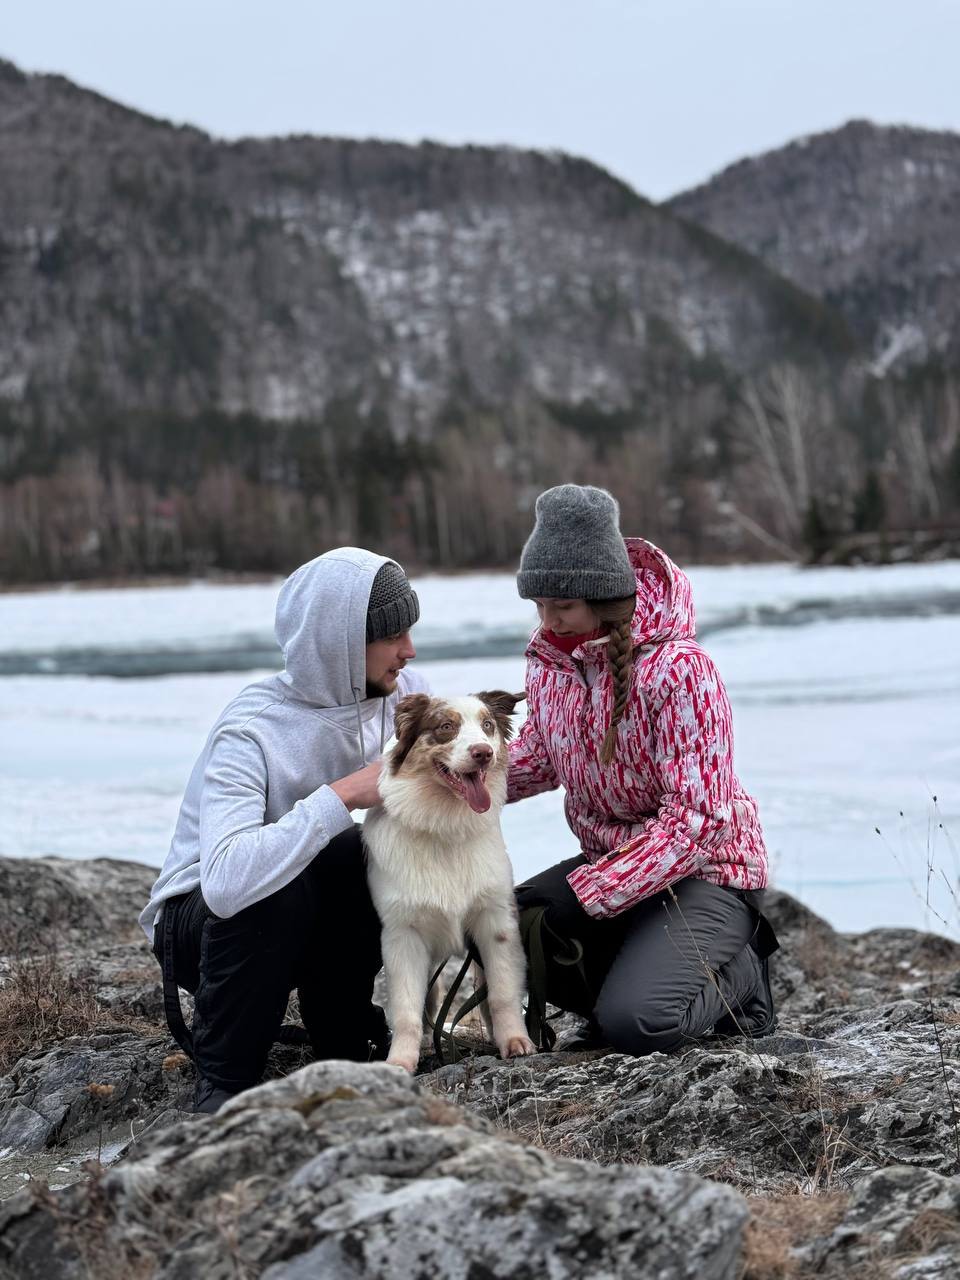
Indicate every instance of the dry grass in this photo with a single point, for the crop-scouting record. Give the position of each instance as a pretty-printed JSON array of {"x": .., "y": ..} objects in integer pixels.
[
  {"x": 780, "y": 1224},
  {"x": 43, "y": 1000},
  {"x": 930, "y": 1230},
  {"x": 145, "y": 972},
  {"x": 41, "y": 1004}
]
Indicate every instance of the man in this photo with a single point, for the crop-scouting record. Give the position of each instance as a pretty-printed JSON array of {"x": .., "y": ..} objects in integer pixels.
[{"x": 264, "y": 888}]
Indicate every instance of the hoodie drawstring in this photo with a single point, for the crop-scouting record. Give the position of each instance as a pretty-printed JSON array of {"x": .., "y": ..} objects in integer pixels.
[
  {"x": 383, "y": 726},
  {"x": 356, "y": 703}
]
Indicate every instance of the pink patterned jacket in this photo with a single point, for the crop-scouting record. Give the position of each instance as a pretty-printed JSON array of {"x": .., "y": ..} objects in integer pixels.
[{"x": 670, "y": 805}]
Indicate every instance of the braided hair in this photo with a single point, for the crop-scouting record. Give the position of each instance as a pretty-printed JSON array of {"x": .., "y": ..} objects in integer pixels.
[{"x": 619, "y": 613}]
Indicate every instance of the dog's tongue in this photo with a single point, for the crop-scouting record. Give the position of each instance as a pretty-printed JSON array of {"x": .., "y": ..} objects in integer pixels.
[{"x": 478, "y": 797}]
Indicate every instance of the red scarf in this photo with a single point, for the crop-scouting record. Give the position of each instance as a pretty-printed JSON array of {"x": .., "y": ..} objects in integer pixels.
[{"x": 567, "y": 644}]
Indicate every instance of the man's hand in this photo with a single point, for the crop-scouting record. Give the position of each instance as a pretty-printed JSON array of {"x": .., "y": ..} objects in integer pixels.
[{"x": 359, "y": 790}]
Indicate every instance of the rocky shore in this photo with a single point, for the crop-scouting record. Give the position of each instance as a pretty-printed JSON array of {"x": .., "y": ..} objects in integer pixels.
[{"x": 831, "y": 1148}]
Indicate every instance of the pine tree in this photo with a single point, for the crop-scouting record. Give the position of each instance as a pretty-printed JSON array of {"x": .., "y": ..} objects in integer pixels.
[
  {"x": 817, "y": 537},
  {"x": 870, "y": 506}
]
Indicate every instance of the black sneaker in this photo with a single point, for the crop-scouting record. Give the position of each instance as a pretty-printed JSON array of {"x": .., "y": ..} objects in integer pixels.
[
  {"x": 581, "y": 1038},
  {"x": 765, "y": 1023},
  {"x": 757, "y": 1016},
  {"x": 208, "y": 1097}
]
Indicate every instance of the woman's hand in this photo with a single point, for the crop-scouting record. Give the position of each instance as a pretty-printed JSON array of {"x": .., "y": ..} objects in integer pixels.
[{"x": 359, "y": 790}]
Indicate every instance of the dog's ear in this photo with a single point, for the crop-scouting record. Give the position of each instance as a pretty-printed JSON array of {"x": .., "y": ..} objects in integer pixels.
[
  {"x": 502, "y": 705},
  {"x": 406, "y": 725}
]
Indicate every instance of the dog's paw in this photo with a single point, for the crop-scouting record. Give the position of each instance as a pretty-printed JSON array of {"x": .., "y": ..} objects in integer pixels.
[
  {"x": 517, "y": 1047},
  {"x": 407, "y": 1062}
]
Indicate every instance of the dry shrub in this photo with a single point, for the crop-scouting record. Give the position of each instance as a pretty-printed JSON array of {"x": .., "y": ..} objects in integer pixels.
[
  {"x": 145, "y": 972},
  {"x": 778, "y": 1224},
  {"x": 930, "y": 1229},
  {"x": 42, "y": 1003},
  {"x": 436, "y": 1111},
  {"x": 766, "y": 1252}
]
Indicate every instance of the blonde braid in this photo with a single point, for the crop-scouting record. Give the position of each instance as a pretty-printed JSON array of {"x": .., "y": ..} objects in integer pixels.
[{"x": 620, "y": 659}]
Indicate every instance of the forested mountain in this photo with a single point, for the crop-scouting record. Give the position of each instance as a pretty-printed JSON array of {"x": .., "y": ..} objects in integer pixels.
[
  {"x": 865, "y": 217},
  {"x": 234, "y": 354}
]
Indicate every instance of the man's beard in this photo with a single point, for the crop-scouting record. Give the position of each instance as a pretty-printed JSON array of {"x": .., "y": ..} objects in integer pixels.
[{"x": 375, "y": 690}]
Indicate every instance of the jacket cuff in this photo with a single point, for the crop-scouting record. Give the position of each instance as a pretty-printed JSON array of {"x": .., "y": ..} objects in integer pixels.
[
  {"x": 330, "y": 813},
  {"x": 584, "y": 883}
]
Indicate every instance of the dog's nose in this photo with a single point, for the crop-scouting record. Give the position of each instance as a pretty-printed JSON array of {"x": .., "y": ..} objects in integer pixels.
[{"x": 483, "y": 755}]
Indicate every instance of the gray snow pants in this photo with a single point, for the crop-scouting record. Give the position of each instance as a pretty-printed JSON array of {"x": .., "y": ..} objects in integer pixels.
[{"x": 667, "y": 971}]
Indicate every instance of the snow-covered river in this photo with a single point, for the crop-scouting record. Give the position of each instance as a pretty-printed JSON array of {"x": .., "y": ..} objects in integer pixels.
[{"x": 845, "y": 685}]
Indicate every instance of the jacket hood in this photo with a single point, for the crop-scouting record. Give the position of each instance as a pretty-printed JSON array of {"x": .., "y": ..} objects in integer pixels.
[
  {"x": 664, "y": 599},
  {"x": 321, "y": 626},
  {"x": 664, "y": 609}
]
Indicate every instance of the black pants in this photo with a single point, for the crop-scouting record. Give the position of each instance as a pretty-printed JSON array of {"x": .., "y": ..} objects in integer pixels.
[
  {"x": 667, "y": 970},
  {"x": 320, "y": 935}
]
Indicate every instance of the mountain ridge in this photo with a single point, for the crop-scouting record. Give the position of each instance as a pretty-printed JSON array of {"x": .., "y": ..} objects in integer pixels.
[
  {"x": 637, "y": 261},
  {"x": 224, "y": 353},
  {"x": 866, "y": 217}
]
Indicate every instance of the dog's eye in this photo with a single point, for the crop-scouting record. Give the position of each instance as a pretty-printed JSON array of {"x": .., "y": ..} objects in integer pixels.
[
  {"x": 488, "y": 726},
  {"x": 446, "y": 726}
]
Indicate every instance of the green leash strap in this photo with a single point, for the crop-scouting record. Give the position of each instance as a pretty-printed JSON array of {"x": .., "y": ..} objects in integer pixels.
[
  {"x": 478, "y": 997},
  {"x": 531, "y": 935},
  {"x": 445, "y": 1042},
  {"x": 533, "y": 928}
]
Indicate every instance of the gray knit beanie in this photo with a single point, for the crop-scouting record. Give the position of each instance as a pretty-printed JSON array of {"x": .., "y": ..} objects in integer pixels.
[
  {"x": 576, "y": 551},
  {"x": 393, "y": 606}
]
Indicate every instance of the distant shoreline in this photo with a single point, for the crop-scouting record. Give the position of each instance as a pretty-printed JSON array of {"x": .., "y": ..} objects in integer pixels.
[
  {"x": 137, "y": 582},
  {"x": 239, "y": 578},
  {"x": 862, "y": 550}
]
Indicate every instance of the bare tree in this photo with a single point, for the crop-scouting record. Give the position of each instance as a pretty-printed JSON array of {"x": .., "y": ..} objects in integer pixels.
[
  {"x": 794, "y": 455},
  {"x": 916, "y": 467}
]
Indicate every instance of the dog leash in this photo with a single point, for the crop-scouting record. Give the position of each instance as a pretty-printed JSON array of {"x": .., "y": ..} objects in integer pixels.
[
  {"x": 445, "y": 1043},
  {"x": 533, "y": 928}
]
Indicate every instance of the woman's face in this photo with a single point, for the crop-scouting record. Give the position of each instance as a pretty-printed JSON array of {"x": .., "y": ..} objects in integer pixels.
[{"x": 566, "y": 617}]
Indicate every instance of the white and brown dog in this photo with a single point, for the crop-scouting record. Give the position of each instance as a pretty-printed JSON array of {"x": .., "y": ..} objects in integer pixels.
[{"x": 437, "y": 864}]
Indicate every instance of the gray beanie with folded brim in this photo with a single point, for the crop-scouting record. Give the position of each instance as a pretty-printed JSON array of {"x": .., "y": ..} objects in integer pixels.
[{"x": 576, "y": 551}]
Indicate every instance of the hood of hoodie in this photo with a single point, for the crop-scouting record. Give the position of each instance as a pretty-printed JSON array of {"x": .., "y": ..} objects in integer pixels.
[
  {"x": 321, "y": 626},
  {"x": 664, "y": 609}
]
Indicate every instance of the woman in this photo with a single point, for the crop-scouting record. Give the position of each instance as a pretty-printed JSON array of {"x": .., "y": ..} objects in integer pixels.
[{"x": 628, "y": 714}]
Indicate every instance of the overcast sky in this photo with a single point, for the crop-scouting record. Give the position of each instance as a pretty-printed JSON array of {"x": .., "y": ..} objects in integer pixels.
[{"x": 663, "y": 94}]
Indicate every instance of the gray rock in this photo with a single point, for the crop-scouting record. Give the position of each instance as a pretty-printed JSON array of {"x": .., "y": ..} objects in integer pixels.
[
  {"x": 58, "y": 902},
  {"x": 122, "y": 978},
  {"x": 905, "y": 1220},
  {"x": 859, "y": 1078},
  {"x": 343, "y": 1170},
  {"x": 48, "y": 1099},
  {"x": 818, "y": 968},
  {"x": 746, "y": 1114},
  {"x": 836, "y": 1094}
]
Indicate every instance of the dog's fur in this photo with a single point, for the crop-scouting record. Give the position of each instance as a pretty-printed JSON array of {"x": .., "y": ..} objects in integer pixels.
[{"x": 437, "y": 865}]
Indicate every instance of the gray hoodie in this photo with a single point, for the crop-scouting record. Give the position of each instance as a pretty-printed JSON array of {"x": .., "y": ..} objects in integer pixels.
[{"x": 258, "y": 807}]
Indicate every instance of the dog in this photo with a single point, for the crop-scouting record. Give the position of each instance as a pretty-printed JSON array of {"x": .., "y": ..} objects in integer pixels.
[{"x": 437, "y": 865}]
